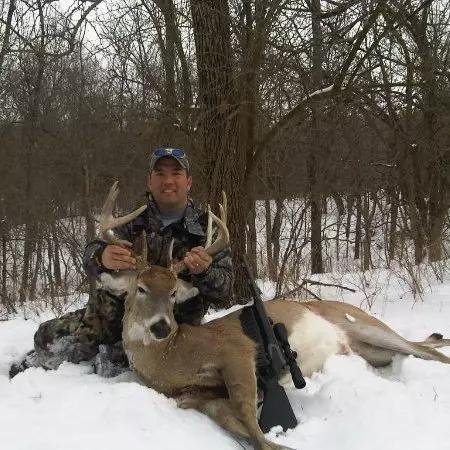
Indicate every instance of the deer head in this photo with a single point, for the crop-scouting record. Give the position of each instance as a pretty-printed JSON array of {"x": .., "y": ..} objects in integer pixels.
[{"x": 151, "y": 291}]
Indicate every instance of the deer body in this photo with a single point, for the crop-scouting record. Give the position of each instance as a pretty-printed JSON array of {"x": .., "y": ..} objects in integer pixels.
[
  {"x": 212, "y": 367},
  {"x": 316, "y": 330},
  {"x": 194, "y": 361}
]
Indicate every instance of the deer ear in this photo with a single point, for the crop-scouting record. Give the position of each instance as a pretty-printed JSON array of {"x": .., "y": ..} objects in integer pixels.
[
  {"x": 118, "y": 283},
  {"x": 185, "y": 291}
]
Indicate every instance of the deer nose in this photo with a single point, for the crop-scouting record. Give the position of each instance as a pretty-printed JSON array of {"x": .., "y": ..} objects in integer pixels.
[{"x": 160, "y": 329}]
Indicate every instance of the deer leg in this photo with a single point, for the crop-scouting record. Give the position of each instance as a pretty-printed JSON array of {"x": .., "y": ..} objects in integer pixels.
[
  {"x": 379, "y": 349},
  {"x": 435, "y": 340},
  {"x": 240, "y": 381},
  {"x": 219, "y": 410},
  {"x": 429, "y": 353}
]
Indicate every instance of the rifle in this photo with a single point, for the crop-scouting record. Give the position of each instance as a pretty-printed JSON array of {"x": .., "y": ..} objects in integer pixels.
[{"x": 274, "y": 357}]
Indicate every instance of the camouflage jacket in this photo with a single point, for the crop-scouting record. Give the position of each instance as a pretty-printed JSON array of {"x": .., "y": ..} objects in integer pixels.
[{"x": 215, "y": 286}]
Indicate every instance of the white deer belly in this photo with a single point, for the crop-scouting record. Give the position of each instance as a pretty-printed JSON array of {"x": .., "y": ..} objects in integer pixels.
[{"x": 315, "y": 340}]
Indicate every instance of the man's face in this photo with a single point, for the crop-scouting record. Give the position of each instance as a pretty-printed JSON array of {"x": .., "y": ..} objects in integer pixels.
[{"x": 169, "y": 184}]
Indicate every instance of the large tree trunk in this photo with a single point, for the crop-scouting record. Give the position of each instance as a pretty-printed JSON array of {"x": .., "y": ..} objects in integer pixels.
[
  {"x": 313, "y": 160},
  {"x": 438, "y": 184},
  {"x": 228, "y": 115},
  {"x": 216, "y": 91}
]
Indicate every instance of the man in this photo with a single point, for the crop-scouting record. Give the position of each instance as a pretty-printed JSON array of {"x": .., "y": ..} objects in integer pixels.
[{"x": 94, "y": 332}]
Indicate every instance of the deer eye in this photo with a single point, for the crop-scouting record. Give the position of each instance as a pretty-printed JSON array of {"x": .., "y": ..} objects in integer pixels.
[
  {"x": 141, "y": 290},
  {"x": 173, "y": 296}
]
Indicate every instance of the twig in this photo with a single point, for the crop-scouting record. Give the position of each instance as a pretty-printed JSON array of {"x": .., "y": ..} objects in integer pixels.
[
  {"x": 289, "y": 293},
  {"x": 319, "y": 283},
  {"x": 312, "y": 282}
]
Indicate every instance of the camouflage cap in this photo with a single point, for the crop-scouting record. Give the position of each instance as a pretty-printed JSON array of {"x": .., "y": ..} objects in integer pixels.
[{"x": 175, "y": 153}]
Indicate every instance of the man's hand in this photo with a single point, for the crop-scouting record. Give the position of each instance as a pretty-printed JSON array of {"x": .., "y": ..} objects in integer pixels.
[
  {"x": 197, "y": 260},
  {"x": 114, "y": 257}
]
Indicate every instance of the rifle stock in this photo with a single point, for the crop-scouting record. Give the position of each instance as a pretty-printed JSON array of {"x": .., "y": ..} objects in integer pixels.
[{"x": 276, "y": 408}]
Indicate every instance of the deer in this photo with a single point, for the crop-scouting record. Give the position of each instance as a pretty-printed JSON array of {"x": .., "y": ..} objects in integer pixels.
[{"x": 211, "y": 367}]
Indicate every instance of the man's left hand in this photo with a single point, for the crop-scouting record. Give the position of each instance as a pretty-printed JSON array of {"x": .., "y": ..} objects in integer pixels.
[{"x": 197, "y": 260}]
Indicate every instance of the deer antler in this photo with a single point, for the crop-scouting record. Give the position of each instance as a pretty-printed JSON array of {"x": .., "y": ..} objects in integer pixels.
[
  {"x": 108, "y": 222},
  {"x": 223, "y": 207},
  {"x": 223, "y": 237}
]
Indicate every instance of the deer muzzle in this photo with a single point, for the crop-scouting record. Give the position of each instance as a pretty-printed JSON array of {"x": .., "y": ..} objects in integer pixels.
[{"x": 160, "y": 329}]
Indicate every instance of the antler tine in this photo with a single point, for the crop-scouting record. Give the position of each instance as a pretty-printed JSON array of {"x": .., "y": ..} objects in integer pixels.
[
  {"x": 223, "y": 237},
  {"x": 108, "y": 222},
  {"x": 108, "y": 206},
  {"x": 209, "y": 229},
  {"x": 224, "y": 208},
  {"x": 170, "y": 263}
]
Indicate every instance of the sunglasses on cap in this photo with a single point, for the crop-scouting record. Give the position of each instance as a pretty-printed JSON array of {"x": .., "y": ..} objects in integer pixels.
[{"x": 177, "y": 152}]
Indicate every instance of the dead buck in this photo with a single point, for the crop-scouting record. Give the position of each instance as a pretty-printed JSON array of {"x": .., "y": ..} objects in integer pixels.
[{"x": 212, "y": 367}]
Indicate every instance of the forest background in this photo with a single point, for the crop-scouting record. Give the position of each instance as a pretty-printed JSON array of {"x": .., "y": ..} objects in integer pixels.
[{"x": 326, "y": 122}]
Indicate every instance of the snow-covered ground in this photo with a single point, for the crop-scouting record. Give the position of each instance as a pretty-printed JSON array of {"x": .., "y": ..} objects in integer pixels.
[{"x": 348, "y": 405}]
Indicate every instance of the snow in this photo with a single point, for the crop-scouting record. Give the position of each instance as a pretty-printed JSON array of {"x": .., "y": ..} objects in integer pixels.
[{"x": 348, "y": 405}]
